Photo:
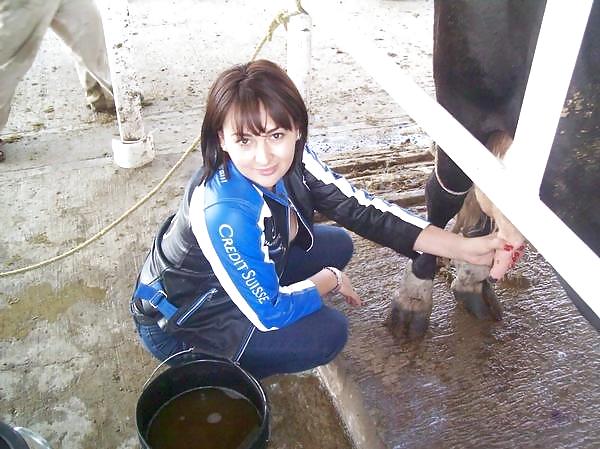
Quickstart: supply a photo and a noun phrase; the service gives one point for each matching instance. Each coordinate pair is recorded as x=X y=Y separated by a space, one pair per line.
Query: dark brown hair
x=244 y=89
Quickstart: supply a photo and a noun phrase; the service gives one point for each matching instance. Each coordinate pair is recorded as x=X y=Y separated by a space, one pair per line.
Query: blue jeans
x=309 y=342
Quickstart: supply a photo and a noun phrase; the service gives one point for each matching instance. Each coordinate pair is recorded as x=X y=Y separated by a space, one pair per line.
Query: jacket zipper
x=197 y=304
x=245 y=342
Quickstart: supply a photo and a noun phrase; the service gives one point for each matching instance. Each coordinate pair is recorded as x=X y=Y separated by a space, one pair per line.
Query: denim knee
x=335 y=339
x=345 y=246
x=339 y=242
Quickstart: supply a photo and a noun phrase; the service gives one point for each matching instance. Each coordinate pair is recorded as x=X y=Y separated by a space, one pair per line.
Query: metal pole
x=135 y=148
x=551 y=70
x=299 y=53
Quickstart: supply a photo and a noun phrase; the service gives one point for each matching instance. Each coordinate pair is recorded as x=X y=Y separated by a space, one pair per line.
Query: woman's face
x=264 y=158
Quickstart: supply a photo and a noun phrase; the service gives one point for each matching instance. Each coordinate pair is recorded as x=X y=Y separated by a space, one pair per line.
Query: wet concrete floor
x=71 y=364
x=530 y=380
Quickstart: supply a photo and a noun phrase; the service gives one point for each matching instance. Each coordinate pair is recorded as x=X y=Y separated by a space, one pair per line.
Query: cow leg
x=412 y=302
x=411 y=306
x=472 y=288
x=471 y=284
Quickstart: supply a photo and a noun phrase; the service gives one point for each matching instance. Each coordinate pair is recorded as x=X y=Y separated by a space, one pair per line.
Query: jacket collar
x=279 y=194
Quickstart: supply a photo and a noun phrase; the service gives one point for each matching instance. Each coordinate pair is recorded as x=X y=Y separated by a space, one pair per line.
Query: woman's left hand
x=481 y=250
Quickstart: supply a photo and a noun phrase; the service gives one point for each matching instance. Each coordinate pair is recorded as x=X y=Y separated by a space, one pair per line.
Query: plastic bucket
x=200 y=376
x=10 y=438
x=20 y=438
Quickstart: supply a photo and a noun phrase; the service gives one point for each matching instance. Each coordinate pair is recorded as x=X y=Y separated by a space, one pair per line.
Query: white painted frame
x=135 y=147
x=519 y=176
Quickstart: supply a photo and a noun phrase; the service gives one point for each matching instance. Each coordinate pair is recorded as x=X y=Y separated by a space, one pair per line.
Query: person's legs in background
x=317 y=338
x=23 y=24
x=79 y=24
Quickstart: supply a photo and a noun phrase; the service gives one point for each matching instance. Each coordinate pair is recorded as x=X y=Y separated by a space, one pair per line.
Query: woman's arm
x=327 y=280
x=476 y=250
x=388 y=224
x=355 y=209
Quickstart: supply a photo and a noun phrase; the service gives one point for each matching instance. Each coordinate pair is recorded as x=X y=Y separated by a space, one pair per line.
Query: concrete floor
x=72 y=367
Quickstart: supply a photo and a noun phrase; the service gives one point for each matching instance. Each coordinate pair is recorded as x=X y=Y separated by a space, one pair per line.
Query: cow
x=482 y=56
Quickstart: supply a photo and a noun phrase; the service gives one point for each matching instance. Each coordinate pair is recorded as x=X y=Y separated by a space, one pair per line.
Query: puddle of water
x=42 y=302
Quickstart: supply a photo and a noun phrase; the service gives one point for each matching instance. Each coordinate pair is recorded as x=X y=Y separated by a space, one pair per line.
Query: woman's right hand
x=329 y=279
x=347 y=291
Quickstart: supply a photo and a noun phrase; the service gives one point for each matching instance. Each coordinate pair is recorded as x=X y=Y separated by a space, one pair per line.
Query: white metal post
x=549 y=79
x=135 y=148
x=299 y=53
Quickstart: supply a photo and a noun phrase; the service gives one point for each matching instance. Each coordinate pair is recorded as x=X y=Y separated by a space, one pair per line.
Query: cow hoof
x=411 y=306
x=483 y=305
x=471 y=286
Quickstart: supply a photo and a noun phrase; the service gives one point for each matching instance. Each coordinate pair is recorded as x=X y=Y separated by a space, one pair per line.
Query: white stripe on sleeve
x=325 y=175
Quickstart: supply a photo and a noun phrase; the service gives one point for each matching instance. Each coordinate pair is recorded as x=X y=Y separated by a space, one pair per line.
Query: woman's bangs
x=248 y=116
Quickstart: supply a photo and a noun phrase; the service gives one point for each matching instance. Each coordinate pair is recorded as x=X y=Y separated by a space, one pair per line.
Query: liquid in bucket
x=209 y=417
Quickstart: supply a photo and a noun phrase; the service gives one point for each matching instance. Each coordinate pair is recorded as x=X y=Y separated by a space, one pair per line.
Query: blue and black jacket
x=230 y=237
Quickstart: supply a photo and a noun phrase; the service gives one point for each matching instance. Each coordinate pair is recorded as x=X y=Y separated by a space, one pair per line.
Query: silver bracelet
x=338 y=279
